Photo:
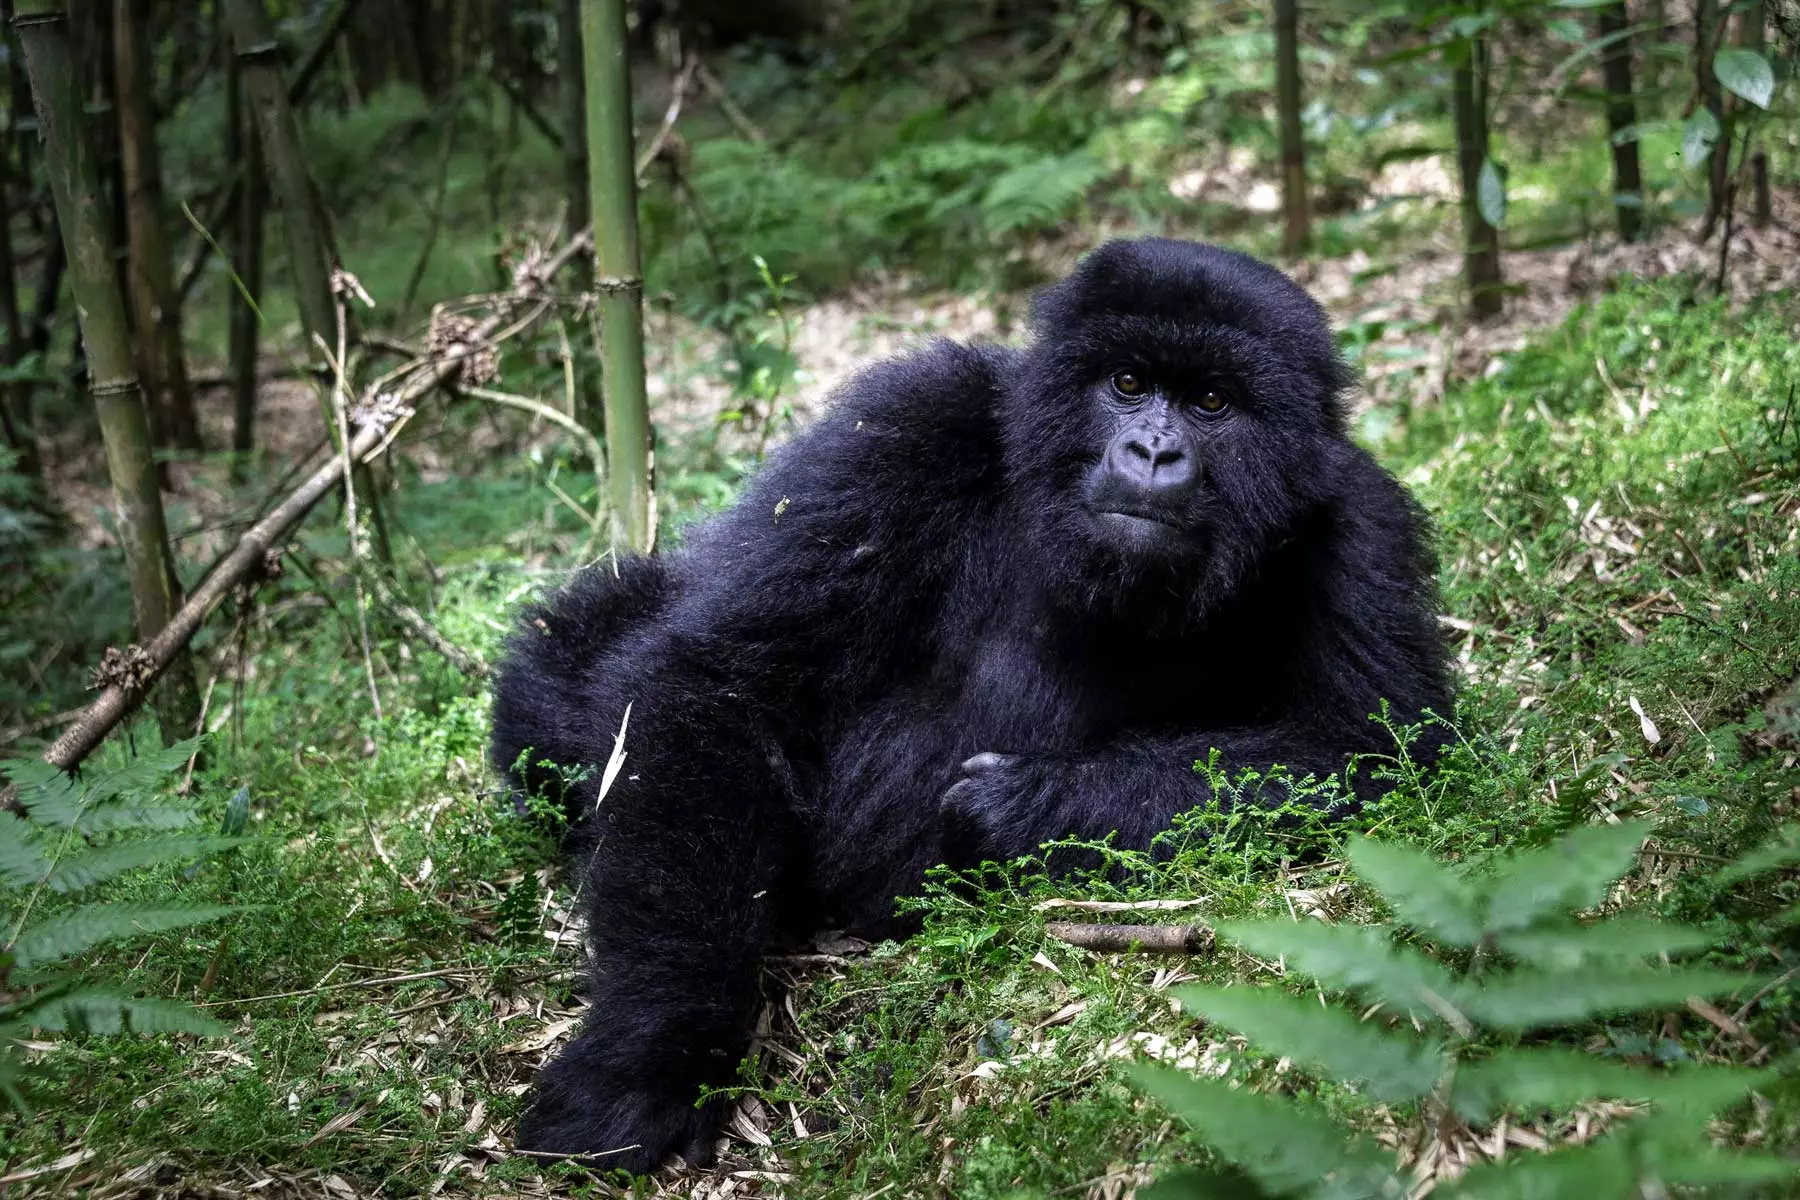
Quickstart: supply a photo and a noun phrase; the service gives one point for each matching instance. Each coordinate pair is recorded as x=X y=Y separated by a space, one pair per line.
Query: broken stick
x=1151 y=939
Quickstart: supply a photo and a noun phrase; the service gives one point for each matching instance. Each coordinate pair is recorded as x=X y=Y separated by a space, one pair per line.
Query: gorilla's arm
x=1370 y=639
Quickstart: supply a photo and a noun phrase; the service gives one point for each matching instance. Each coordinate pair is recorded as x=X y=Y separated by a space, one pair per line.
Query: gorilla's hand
x=999 y=807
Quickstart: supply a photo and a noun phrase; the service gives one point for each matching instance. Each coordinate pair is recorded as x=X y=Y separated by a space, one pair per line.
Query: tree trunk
x=243 y=153
x=1621 y=114
x=1481 y=241
x=119 y=401
x=156 y=309
x=613 y=197
x=573 y=102
x=1297 y=230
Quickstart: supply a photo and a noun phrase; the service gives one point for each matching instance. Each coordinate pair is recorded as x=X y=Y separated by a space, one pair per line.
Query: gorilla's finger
x=987 y=760
x=962 y=787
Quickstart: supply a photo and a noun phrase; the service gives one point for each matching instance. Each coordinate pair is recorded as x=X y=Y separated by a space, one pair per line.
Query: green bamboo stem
x=1297 y=225
x=84 y=219
x=612 y=191
x=572 y=101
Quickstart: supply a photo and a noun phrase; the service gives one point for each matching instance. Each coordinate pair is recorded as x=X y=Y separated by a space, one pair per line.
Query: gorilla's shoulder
x=923 y=426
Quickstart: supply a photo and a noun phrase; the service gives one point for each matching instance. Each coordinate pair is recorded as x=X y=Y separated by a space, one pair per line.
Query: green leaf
x=1574 y=871
x=124 y=817
x=1621 y=938
x=1283 y=1145
x=144 y=773
x=1542 y=1077
x=98 y=1011
x=237 y=813
x=1601 y=1168
x=1530 y=998
x=72 y=932
x=1490 y=193
x=1423 y=894
x=1698 y=137
x=1783 y=850
x=1686 y=1099
x=1359 y=958
x=1744 y=72
x=48 y=793
x=84 y=870
x=1330 y=1041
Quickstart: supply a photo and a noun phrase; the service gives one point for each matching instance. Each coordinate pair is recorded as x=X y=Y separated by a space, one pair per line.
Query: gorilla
x=997 y=597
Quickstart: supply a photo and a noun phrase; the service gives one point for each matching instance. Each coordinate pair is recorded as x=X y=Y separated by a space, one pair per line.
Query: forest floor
x=1614 y=467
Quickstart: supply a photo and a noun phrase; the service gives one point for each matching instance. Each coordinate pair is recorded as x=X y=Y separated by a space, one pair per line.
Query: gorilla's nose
x=1155 y=462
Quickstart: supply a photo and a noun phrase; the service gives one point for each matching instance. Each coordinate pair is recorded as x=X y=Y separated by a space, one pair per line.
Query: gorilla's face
x=1179 y=404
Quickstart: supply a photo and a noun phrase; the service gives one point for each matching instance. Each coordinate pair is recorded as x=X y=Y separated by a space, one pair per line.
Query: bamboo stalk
x=243 y=150
x=82 y=213
x=612 y=191
x=1613 y=21
x=1297 y=228
x=1481 y=241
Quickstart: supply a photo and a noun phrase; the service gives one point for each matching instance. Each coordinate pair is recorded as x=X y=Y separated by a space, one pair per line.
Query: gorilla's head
x=1178 y=407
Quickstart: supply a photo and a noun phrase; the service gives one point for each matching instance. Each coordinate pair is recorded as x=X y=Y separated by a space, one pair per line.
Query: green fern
x=71 y=836
x=1441 y=1046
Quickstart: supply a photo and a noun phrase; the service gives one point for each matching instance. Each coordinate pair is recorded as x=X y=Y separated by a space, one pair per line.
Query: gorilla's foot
x=579 y=1111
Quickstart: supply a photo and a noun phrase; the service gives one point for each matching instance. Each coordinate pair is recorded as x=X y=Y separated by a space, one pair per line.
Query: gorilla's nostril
x=1142 y=451
x=1165 y=457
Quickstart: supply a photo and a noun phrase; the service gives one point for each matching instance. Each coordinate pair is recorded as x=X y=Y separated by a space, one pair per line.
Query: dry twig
x=1151 y=939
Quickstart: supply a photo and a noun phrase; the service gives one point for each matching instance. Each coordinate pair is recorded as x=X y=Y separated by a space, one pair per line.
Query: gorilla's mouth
x=1128 y=515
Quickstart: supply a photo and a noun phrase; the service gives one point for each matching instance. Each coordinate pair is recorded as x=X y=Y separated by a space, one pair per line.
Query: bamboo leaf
x=1331 y=1041
x=1573 y=872
x=1359 y=958
x=1283 y=1145
x=1707 y=1167
x=1423 y=894
x=1744 y=72
x=98 y=1011
x=1698 y=137
x=1618 y=939
x=1530 y=997
x=72 y=932
x=1490 y=193
x=1194 y=1183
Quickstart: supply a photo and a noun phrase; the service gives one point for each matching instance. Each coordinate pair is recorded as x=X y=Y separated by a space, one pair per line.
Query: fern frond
x=1358 y=958
x=82 y=871
x=1783 y=850
x=98 y=1011
x=1530 y=998
x=70 y=933
x=1572 y=872
x=49 y=794
x=1532 y=1077
x=1599 y=1168
x=1423 y=894
x=1283 y=1145
x=21 y=863
x=1394 y=1067
x=144 y=771
x=1570 y=945
x=131 y=816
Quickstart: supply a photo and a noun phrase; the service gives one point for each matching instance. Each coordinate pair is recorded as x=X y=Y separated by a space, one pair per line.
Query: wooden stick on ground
x=1151 y=939
x=385 y=411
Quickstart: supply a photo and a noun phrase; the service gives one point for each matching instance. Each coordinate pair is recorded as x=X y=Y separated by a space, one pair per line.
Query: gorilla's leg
x=681 y=886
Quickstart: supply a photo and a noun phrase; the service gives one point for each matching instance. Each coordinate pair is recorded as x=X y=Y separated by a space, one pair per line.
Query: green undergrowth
x=1616 y=513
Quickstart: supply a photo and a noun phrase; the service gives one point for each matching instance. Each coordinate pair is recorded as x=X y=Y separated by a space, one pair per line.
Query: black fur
x=922 y=578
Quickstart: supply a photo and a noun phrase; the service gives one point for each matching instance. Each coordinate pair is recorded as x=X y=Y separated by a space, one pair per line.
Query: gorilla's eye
x=1126 y=383
x=1212 y=400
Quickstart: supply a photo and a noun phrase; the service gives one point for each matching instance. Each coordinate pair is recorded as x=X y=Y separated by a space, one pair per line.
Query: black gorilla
x=995 y=598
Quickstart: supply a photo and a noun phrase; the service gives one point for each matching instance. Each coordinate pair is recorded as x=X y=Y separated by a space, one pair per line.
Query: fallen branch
x=733 y=113
x=1150 y=939
x=425 y=631
x=380 y=413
